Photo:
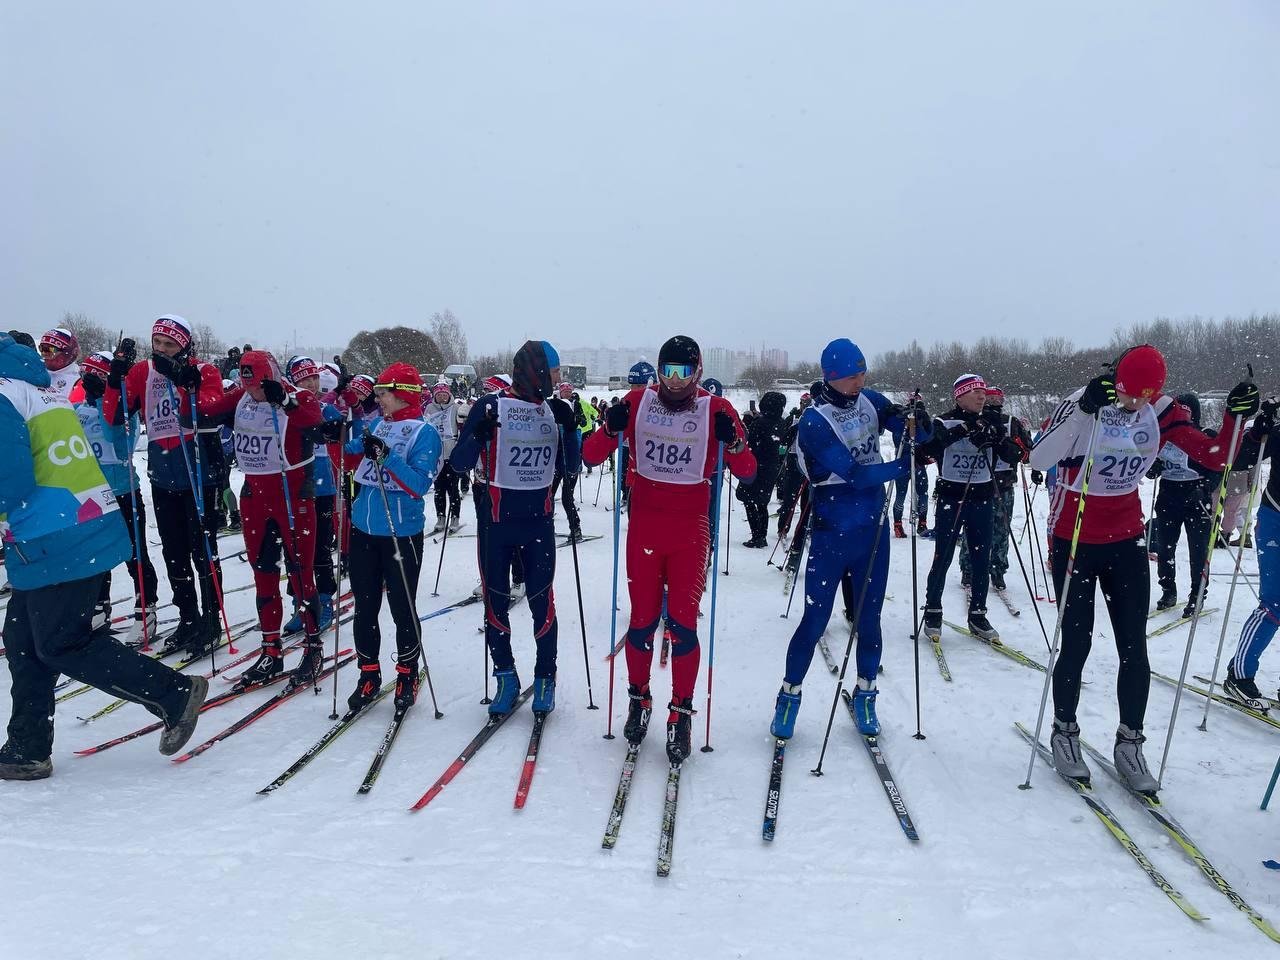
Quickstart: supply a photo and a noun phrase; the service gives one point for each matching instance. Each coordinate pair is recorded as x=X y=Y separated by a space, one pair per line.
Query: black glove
x=1037 y=477
x=725 y=429
x=1101 y=392
x=374 y=448
x=923 y=421
x=273 y=392
x=1157 y=468
x=984 y=434
x=188 y=377
x=1242 y=401
x=94 y=387
x=1266 y=419
x=127 y=350
x=342 y=384
x=891 y=411
x=120 y=367
x=330 y=431
x=23 y=338
x=486 y=427
x=616 y=418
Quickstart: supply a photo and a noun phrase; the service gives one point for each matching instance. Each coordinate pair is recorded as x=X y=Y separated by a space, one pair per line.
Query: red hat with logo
x=256 y=366
x=403 y=380
x=302 y=367
x=1141 y=372
x=99 y=364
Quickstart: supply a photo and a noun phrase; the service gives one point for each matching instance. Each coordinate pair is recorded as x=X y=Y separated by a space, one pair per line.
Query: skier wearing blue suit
x=839 y=450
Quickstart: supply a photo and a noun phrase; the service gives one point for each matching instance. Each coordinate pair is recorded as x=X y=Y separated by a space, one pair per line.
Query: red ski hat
x=995 y=393
x=256 y=366
x=565 y=389
x=441 y=389
x=98 y=364
x=58 y=348
x=1141 y=372
x=965 y=383
x=173 y=327
x=403 y=380
x=302 y=367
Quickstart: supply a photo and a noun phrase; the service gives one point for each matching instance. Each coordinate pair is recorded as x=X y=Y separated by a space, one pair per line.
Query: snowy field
x=125 y=855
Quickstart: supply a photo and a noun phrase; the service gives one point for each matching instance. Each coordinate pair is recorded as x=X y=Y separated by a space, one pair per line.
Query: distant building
x=774 y=358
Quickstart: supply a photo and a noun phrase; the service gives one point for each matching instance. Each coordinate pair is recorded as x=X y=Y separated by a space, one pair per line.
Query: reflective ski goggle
x=677 y=371
x=48 y=350
x=408 y=387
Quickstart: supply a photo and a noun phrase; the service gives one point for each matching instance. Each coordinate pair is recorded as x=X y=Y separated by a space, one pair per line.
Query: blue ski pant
x=534 y=542
x=832 y=555
x=1261 y=625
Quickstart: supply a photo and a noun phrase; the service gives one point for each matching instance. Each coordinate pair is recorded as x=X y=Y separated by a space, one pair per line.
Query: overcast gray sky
x=784 y=172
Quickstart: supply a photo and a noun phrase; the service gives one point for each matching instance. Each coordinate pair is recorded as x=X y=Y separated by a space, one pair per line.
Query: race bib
x=528 y=439
x=1124 y=451
x=396 y=434
x=1177 y=465
x=858 y=427
x=962 y=461
x=103 y=449
x=256 y=444
x=671 y=445
x=162 y=405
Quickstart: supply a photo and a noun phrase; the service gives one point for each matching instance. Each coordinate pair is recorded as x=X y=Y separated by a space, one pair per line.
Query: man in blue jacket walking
x=63 y=533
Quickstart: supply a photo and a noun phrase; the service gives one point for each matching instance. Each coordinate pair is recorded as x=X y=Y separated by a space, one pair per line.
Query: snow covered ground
x=127 y=855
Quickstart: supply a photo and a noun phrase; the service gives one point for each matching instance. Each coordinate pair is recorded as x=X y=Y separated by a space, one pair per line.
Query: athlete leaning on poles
x=673 y=429
x=271 y=418
x=162 y=388
x=60 y=518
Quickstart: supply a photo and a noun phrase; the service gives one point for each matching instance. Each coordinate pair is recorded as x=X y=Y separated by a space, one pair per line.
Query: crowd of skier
x=343 y=464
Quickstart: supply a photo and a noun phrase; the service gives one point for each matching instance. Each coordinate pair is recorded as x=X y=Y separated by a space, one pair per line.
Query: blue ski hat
x=553 y=358
x=842 y=358
x=713 y=387
x=642 y=373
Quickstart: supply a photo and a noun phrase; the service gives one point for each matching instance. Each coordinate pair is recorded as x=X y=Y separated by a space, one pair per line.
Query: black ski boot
x=997 y=582
x=575 y=533
x=1243 y=689
x=206 y=637
x=179 y=730
x=14 y=767
x=638 y=713
x=268 y=666
x=981 y=627
x=182 y=636
x=367 y=686
x=406 y=686
x=679 y=730
x=1189 y=610
x=1168 y=598
x=307 y=672
x=931 y=625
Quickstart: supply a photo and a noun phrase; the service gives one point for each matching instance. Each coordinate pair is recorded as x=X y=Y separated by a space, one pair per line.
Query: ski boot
x=1243 y=689
x=268 y=666
x=178 y=731
x=864 y=708
x=785 y=710
x=931 y=625
x=638 y=713
x=1065 y=743
x=679 y=730
x=1168 y=598
x=997 y=582
x=1189 y=610
x=367 y=686
x=101 y=615
x=575 y=533
x=454 y=523
x=14 y=767
x=295 y=622
x=516 y=594
x=981 y=627
x=182 y=635
x=234 y=521
x=307 y=672
x=965 y=582
x=147 y=614
x=544 y=695
x=406 y=694
x=1130 y=762
x=441 y=522
x=324 y=619
x=504 y=698
x=207 y=634
x=922 y=529
x=898 y=532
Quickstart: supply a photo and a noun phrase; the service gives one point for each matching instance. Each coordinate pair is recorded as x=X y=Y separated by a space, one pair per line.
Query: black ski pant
x=127 y=502
x=1181 y=505
x=922 y=494
x=970 y=515
x=480 y=496
x=755 y=497
x=47 y=633
x=1120 y=569
x=1001 y=511
x=533 y=541
x=183 y=541
x=374 y=568
x=790 y=484
x=447 y=495
x=566 y=497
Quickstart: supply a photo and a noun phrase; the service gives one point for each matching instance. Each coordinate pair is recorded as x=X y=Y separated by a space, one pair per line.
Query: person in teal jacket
x=62 y=533
x=112 y=445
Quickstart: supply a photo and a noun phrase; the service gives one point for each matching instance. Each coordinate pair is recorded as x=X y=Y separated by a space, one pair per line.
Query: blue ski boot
x=864 y=708
x=504 y=699
x=295 y=622
x=325 y=618
x=784 y=712
x=544 y=695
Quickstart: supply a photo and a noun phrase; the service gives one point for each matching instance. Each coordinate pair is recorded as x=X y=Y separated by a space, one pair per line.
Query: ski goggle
x=407 y=387
x=49 y=350
x=677 y=371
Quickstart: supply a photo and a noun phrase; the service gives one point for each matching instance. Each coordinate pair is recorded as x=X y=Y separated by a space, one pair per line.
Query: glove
x=23 y=338
x=330 y=431
x=485 y=428
x=187 y=377
x=1101 y=392
x=374 y=448
x=164 y=365
x=342 y=385
x=1157 y=468
x=923 y=421
x=274 y=393
x=127 y=350
x=1266 y=419
x=1037 y=477
x=1242 y=401
x=985 y=434
x=616 y=418
x=891 y=411
x=120 y=367
x=93 y=387
x=726 y=430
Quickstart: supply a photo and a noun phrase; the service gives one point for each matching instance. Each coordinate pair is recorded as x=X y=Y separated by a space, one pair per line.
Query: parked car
x=786 y=383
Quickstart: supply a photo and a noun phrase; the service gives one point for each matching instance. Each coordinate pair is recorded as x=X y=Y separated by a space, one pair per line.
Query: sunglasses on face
x=677 y=371
x=48 y=350
x=387 y=387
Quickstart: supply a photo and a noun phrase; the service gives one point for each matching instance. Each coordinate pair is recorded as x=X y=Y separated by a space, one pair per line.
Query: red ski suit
x=668 y=533
x=264 y=511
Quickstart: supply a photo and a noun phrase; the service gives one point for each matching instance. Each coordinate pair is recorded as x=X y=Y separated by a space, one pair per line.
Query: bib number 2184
x=670 y=454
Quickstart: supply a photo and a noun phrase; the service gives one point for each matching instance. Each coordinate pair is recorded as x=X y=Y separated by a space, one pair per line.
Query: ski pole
x=435 y=591
x=728 y=523
x=715 y=581
x=197 y=496
x=802 y=526
x=613 y=606
x=1275 y=774
x=599 y=482
x=1235 y=575
x=914 y=513
x=404 y=580
x=340 y=518
x=293 y=559
x=1026 y=533
x=1030 y=589
x=1204 y=588
x=135 y=502
x=582 y=622
x=1064 y=595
